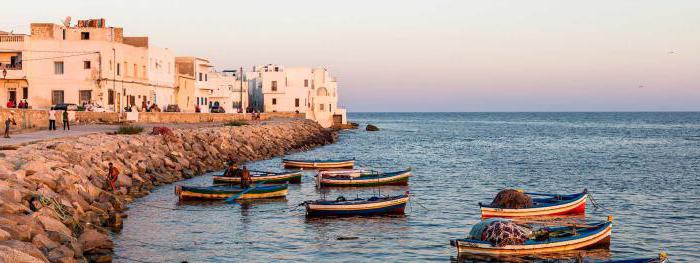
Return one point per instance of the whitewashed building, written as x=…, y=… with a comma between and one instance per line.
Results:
x=311, y=91
x=87, y=63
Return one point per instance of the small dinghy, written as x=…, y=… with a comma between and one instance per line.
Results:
x=372, y=206
x=362, y=178
x=259, y=176
x=552, y=204
x=223, y=192
x=499, y=237
x=318, y=164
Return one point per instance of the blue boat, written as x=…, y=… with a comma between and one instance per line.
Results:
x=359, y=206
x=662, y=258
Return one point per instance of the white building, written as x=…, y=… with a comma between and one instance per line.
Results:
x=311, y=91
x=88, y=63
x=200, y=85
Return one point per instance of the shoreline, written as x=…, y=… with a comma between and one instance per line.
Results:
x=54, y=206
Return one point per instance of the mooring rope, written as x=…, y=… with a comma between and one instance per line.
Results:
x=597, y=205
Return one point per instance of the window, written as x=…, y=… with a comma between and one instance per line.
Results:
x=200, y=76
x=306, y=83
x=111, y=67
x=274, y=101
x=86, y=64
x=64, y=34
x=25, y=93
x=320, y=106
x=119, y=72
x=85, y=96
x=110, y=97
x=206, y=77
x=57, y=97
x=136, y=70
x=330, y=107
x=143, y=72
x=84, y=35
x=126, y=69
x=274, y=85
x=58, y=68
x=296, y=102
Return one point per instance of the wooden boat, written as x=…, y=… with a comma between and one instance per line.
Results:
x=259, y=176
x=552, y=205
x=223, y=192
x=362, y=178
x=662, y=258
x=359, y=206
x=573, y=238
x=318, y=164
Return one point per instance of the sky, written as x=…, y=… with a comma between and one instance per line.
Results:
x=438, y=55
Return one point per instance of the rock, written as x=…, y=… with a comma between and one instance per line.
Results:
x=61, y=254
x=4, y=235
x=42, y=241
x=51, y=224
x=371, y=127
x=92, y=240
x=18, y=251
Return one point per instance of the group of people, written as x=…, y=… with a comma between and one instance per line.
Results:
x=52, y=119
x=23, y=104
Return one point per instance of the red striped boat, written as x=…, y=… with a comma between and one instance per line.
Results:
x=551, y=205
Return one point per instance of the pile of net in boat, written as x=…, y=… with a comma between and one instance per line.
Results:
x=512, y=199
x=500, y=232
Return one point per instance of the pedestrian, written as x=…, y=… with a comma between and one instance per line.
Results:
x=20, y=105
x=246, y=180
x=10, y=104
x=52, y=119
x=113, y=175
x=66, y=124
x=9, y=121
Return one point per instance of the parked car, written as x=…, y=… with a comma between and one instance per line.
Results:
x=217, y=110
x=65, y=106
x=172, y=108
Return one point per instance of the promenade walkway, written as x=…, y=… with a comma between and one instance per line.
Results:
x=76, y=130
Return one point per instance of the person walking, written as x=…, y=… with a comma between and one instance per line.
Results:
x=52, y=119
x=66, y=124
x=113, y=175
x=9, y=121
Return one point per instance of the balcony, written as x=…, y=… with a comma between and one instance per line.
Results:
x=13, y=41
x=13, y=72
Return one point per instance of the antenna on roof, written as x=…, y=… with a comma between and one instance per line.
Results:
x=66, y=22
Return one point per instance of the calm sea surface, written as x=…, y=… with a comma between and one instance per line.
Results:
x=643, y=166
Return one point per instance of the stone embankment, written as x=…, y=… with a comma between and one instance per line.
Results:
x=55, y=205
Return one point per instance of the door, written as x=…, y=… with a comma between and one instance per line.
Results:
x=12, y=95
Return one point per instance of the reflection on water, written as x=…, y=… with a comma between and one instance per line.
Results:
x=642, y=166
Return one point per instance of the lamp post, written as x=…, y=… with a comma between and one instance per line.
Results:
x=4, y=74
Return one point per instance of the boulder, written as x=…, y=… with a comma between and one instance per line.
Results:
x=371, y=127
x=61, y=254
x=51, y=224
x=92, y=240
x=42, y=241
x=4, y=235
x=18, y=251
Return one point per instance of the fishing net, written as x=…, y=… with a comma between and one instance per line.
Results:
x=512, y=199
x=503, y=233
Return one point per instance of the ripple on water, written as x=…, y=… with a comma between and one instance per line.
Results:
x=642, y=166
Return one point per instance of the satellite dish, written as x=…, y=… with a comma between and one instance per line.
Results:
x=66, y=22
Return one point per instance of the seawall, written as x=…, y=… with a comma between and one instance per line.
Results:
x=54, y=202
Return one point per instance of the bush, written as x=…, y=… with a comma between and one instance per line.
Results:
x=236, y=123
x=165, y=131
x=129, y=129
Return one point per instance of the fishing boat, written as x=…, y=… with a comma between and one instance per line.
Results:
x=552, y=204
x=319, y=164
x=362, y=178
x=561, y=238
x=372, y=206
x=662, y=258
x=223, y=192
x=260, y=176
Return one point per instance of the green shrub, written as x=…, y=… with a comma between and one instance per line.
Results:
x=129, y=129
x=236, y=123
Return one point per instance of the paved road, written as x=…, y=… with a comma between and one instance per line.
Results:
x=77, y=130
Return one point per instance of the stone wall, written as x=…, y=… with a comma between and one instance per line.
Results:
x=54, y=202
x=39, y=119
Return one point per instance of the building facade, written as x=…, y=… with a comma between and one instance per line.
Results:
x=85, y=64
x=311, y=91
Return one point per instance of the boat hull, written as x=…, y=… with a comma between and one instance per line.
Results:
x=301, y=164
x=397, y=179
x=389, y=207
x=598, y=238
x=574, y=207
x=292, y=178
x=221, y=193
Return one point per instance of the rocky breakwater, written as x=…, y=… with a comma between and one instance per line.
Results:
x=55, y=202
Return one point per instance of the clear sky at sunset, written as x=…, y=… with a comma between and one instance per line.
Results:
x=489, y=55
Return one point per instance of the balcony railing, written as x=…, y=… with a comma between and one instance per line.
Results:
x=11, y=66
x=12, y=38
